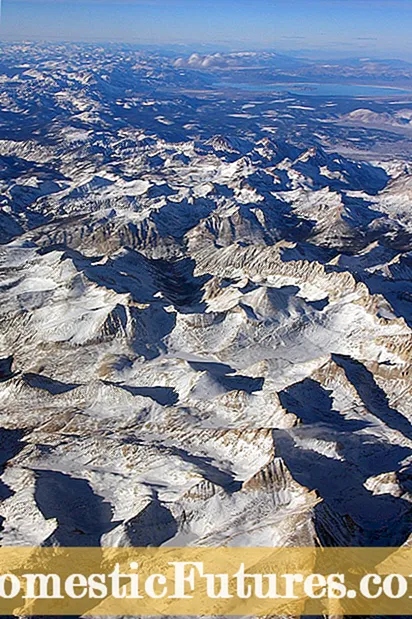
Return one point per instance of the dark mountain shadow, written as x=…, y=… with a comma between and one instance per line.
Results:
x=402, y=268
x=242, y=383
x=82, y=516
x=343, y=492
x=214, y=367
x=291, y=292
x=129, y=273
x=175, y=219
x=181, y=287
x=54, y=387
x=9, y=228
x=166, y=396
x=313, y=405
x=151, y=327
x=160, y=191
x=13, y=166
x=6, y=368
x=208, y=470
x=223, y=190
x=374, y=398
x=308, y=251
x=223, y=375
x=143, y=278
x=21, y=198
x=282, y=181
x=153, y=526
x=360, y=213
x=397, y=293
x=280, y=220
x=340, y=480
x=264, y=182
x=11, y=445
x=356, y=176
x=320, y=304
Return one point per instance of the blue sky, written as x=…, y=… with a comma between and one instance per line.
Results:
x=380, y=28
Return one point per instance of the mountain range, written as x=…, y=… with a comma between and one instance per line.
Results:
x=205, y=308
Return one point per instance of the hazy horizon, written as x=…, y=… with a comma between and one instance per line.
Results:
x=311, y=28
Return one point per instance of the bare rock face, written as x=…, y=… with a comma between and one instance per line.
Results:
x=205, y=339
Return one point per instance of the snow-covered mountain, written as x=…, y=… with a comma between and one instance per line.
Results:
x=206, y=322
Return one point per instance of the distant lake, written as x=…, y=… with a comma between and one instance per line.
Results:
x=320, y=90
